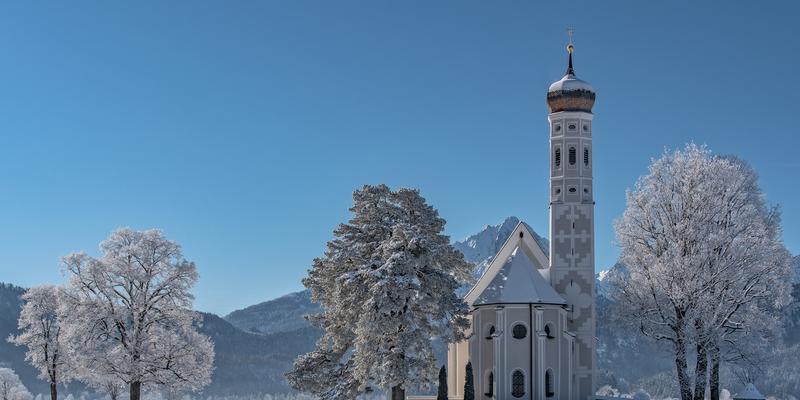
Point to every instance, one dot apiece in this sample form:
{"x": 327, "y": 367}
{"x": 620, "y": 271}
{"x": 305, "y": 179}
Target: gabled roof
{"x": 515, "y": 275}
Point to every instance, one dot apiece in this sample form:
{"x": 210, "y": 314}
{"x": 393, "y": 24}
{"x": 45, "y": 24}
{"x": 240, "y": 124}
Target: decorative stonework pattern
{"x": 577, "y": 291}
{"x": 572, "y": 236}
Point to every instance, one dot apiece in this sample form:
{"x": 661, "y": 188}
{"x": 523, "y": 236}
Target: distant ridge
{"x": 279, "y": 315}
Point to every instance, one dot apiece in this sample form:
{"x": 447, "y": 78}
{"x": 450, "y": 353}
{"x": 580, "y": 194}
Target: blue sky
{"x": 241, "y": 128}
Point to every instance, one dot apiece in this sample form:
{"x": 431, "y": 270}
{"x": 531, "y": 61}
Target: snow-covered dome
{"x": 570, "y": 93}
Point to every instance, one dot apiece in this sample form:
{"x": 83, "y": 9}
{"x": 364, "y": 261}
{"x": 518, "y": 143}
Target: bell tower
{"x": 570, "y": 102}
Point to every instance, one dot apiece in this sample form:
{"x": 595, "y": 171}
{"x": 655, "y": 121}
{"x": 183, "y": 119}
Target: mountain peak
{"x": 481, "y": 247}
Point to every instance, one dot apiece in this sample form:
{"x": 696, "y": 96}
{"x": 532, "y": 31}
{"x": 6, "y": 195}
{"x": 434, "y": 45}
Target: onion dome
{"x": 570, "y": 93}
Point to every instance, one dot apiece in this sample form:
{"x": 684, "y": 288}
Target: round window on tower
{"x": 519, "y": 331}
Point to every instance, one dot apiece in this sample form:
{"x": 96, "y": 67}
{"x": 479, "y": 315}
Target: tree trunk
{"x": 53, "y": 391}
{"x": 714, "y": 381}
{"x": 701, "y": 373}
{"x": 398, "y": 393}
{"x": 680, "y": 367}
{"x": 136, "y": 390}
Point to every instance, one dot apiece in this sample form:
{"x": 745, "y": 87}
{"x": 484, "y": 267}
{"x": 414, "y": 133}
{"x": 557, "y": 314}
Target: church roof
{"x": 515, "y": 275}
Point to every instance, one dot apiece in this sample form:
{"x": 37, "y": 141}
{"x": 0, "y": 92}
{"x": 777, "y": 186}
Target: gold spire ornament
{"x": 570, "y": 47}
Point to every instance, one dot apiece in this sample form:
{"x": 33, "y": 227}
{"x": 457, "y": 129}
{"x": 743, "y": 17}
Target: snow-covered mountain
{"x": 279, "y": 315}
{"x": 603, "y": 279}
{"x": 481, "y": 247}
{"x": 796, "y": 266}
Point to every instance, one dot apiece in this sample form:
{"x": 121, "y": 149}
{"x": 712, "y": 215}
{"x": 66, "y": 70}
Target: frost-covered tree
{"x": 41, "y": 335}
{"x": 109, "y": 385}
{"x": 441, "y": 394}
{"x": 747, "y": 274}
{"x": 11, "y": 387}
{"x": 128, "y": 314}
{"x": 703, "y": 256}
{"x": 387, "y": 285}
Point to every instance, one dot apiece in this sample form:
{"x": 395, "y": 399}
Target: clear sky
{"x": 241, "y": 128}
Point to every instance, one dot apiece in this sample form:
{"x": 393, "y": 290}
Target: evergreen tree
{"x": 469, "y": 384}
{"x": 387, "y": 285}
{"x": 442, "y": 395}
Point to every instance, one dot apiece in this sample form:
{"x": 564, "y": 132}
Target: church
{"x": 532, "y": 311}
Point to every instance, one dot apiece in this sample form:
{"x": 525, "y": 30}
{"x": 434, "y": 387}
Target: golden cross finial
{"x": 570, "y": 47}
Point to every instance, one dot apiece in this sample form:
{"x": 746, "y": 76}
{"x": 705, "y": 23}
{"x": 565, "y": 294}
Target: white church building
{"x": 533, "y": 312}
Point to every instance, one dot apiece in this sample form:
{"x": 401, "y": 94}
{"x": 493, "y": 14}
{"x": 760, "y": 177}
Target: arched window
{"x": 549, "y": 390}
{"x": 586, "y": 157}
{"x": 519, "y": 331}
{"x": 572, "y": 156}
{"x": 557, "y": 157}
{"x": 490, "y": 385}
{"x": 548, "y": 331}
{"x": 517, "y": 384}
{"x": 490, "y": 332}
